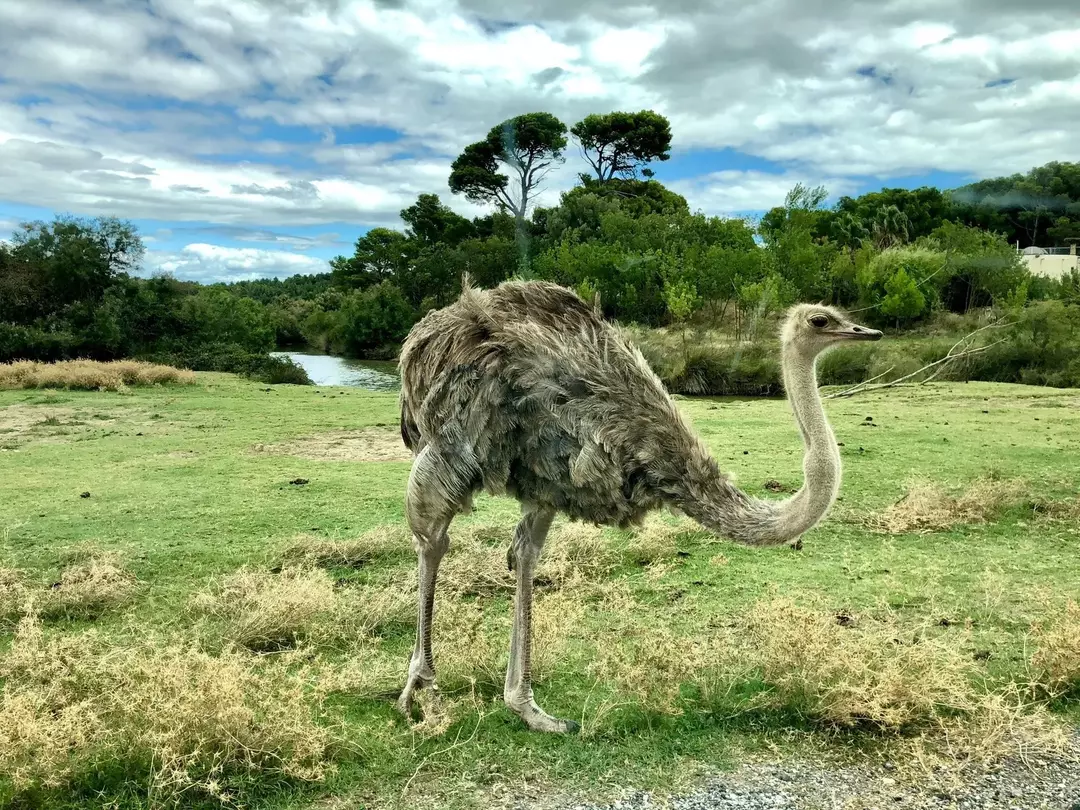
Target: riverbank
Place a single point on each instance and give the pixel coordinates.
(334, 370)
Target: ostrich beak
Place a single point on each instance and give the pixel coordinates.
(855, 332)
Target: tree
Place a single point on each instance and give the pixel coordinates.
(890, 227)
(903, 300)
(430, 222)
(920, 210)
(218, 317)
(801, 210)
(375, 317)
(1027, 207)
(73, 260)
(380, 254)
(620, 143)
(527, 146)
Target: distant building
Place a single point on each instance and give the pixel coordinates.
(1051, 262)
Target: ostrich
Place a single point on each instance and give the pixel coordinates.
(525, 390)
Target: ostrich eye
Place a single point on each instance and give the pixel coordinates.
(820, 321)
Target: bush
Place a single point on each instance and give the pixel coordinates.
(170, 717)
(234, 359)
(30, 343)
(868, 675)
(89, 375)
(1056, 661)
(748, 369)
(281, 371)
(1043, 348)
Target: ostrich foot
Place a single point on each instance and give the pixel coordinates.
(539, 720)
(433, 698)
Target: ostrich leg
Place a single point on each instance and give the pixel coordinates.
(429, 512)
(529, 537)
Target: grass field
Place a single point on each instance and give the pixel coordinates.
(208, 631)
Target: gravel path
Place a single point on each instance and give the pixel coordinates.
(1038, 784)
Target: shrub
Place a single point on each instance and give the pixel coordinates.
(172, 717)
(88, 588)
(926, 507)
(263, 611)
(268, 612)
(89, 375)
(281, 371)
(235, 359)
(1055, 663)
(873, 673)
(13, 596)
(383, 542)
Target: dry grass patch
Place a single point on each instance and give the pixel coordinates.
(383, 542)
(175, 718)
(926, 507)
(13, 596)
(367, 444)
(1055, 663)
(874, 673)
(263, 611)
(90, 375)
(575, 555)
(266, 612)
(471, 638)
(93, 584)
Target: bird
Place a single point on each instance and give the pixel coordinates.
(525, 390)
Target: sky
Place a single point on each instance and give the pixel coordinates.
(260, 138)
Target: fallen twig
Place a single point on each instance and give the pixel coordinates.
(952, 354)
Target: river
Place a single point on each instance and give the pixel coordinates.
(326, 369)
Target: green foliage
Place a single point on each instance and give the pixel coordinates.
(373, 318)
(270, 290)
(629, 259)
(903, 300)
(432, 223)
(214, 316)
(681, 299)
(526, 145)
(899, 212)
(68, 264)
(621, 143)
(1041, 207)
(983, 269)
(380, 254)
(1042, 348)
(913, 276)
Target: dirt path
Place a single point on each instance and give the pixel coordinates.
(1040, 783)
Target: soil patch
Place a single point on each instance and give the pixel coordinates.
(21, 424)
(366, 444)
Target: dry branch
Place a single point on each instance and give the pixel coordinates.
(939, 364)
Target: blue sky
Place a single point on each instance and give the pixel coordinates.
(251, 138)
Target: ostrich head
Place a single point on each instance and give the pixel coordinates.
(811, 329)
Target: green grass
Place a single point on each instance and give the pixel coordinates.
(177, 490)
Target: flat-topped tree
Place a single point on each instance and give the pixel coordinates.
(621, 143)
(527, 146)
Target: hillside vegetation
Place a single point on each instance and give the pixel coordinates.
(910, 261)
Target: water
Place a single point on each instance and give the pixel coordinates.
(326, 369)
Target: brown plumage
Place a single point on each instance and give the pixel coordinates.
(524, 390)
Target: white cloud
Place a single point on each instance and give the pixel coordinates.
(212, 263)
(734, 192)
(839, 90)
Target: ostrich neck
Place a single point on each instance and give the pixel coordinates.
(720, 506)
(821, 459)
